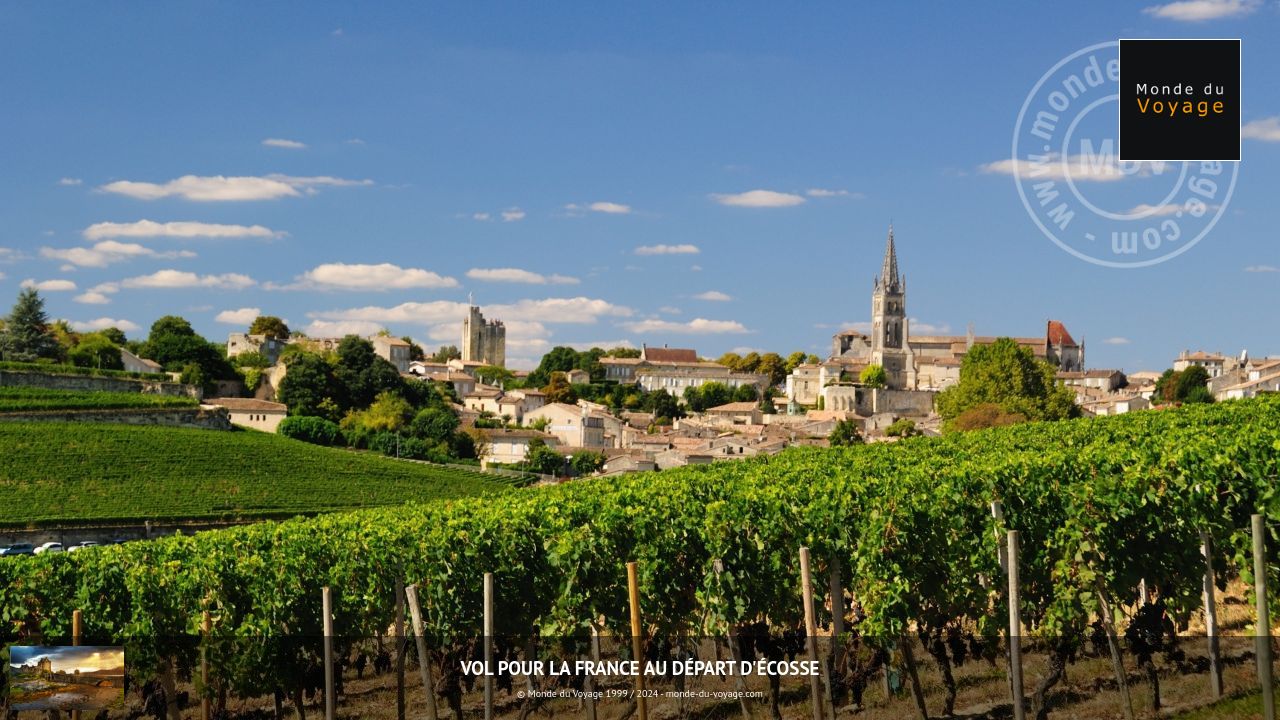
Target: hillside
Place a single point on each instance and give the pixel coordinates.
(54, 473)
(26, 399)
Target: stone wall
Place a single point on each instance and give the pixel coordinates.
(89, 383)
(204, 417)
(902, 402)
(105, 532)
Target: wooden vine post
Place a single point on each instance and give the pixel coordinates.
(330, 698)
(488, 646)
(77, 633)
(836, 595)
(206, 629)
(1263, 630)
(1113, 643)
(424, 667)
(739, 684)
(637, 638)
(811, 632)
(1015, 627)
(1211, 616)
(400, 650)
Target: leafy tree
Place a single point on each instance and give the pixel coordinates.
(115, 335)
(434, 423)
(774, 366)
(27, 335)
(1009, 376)
(1192, 385)
(845, 433)
(363, 373)
(542, 459)
(812, 360)
(65, 335)
(494, 375)
(766, 402)
(795, 360)
(193, 374)
(315, 430)
(873, 376)
(709, 395)
(745, 393)
(586, 462)
(251, 359)
(415, 350)
(902, 427)
(445, 354)
(310, 387)
(558, 390)
(664, 405)
(730, 360)
(269, 325)
(560, 359)
(95, 350)
(175, 345)
(623, 352)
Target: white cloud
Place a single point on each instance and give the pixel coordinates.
(2, 276)
(713, 296)
(610, 207)
(1162, 210)
(1116, 341)
(384, 276)
(667, 250)
(150, 228)
(70, 181)
(1267, 129)
(9, 255)
(219, 188)
(575, 310)
(915, 326)
(481, 216)
(92, 297)
(758, 199)
(354, 141)
(49, 285)
(341, 328)
(283, 143)
(1262, 269)
(243, 316)
(668, 309)
(1197, 10)
(516, 275)
(103, 323)
(825, 193)
(1080, 168)
(602, 344)
(697, 326)
(180, 279)
(107, 252)
(512, 214)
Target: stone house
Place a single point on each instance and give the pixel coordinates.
(257, 414)
(510, 447)
(393, 350)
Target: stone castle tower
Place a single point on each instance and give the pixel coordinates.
(889, 347)
(483, 340)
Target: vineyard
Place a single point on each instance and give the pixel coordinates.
(26, 399)
(66, 474)
(76, 370)
(1102, 506)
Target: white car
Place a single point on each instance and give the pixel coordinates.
(83, 545)
(53, 547)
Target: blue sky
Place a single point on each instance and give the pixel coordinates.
(583, 171)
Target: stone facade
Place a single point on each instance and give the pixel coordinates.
(483, 340)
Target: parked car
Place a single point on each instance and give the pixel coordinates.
(82, 545)
(51, 547)
(18, 549)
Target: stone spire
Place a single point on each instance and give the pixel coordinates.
(889, 279)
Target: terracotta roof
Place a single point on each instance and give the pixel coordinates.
(1058, 334)
(247, 404)
(663, 354)
(506, 433)
(734, 407)
(1201, 355)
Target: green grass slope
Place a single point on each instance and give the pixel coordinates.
(70, 473)
(26, 399)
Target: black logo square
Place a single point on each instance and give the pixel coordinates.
(1179, 100)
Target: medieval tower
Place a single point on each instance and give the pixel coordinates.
(483, 340)
(889, 348)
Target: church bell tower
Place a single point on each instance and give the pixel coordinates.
(889, 348)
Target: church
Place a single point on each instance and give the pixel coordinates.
(919, 362)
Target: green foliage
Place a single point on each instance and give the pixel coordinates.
(96, 350)
(494, 375)
(543, 460)
(745, 393)
(445, 354)
(60, 473)
(269, 325)
(664, 405)
(845, 433)
(1183, 386)
(27, 336)
(53, 369)
(310, 387)
(176, 346)
(1008, 376)
(436, 423)
(586, 462)
(251, 359)
(873, 376)
(22, 399)
(314, 430)
(558, 390)
(708, 395)
(986, 415)
(363, 374)
(902, 427)
(1099, 505)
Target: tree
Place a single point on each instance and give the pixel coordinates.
(269, 325)
(416, 353)
(774, 366)
(745, 393)
(986, 415)
(558, 390)
(445, 354)
(311, 388)
(873, 376)
(844, 434)
(493, 375)
(314, 430)
(388, 413)
(709, 395)
(586, 462)
(363, 373)
(560, 359)
(66, 336)
(543, 460)
(27, 336)
(902, 427)
(251, 359)
(115, 335)
(795, 360)
(434, 423)
(664, 405)
(766, 402)
(175, 345)
(1193, 385)
(96, 351)
(1010, 377)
